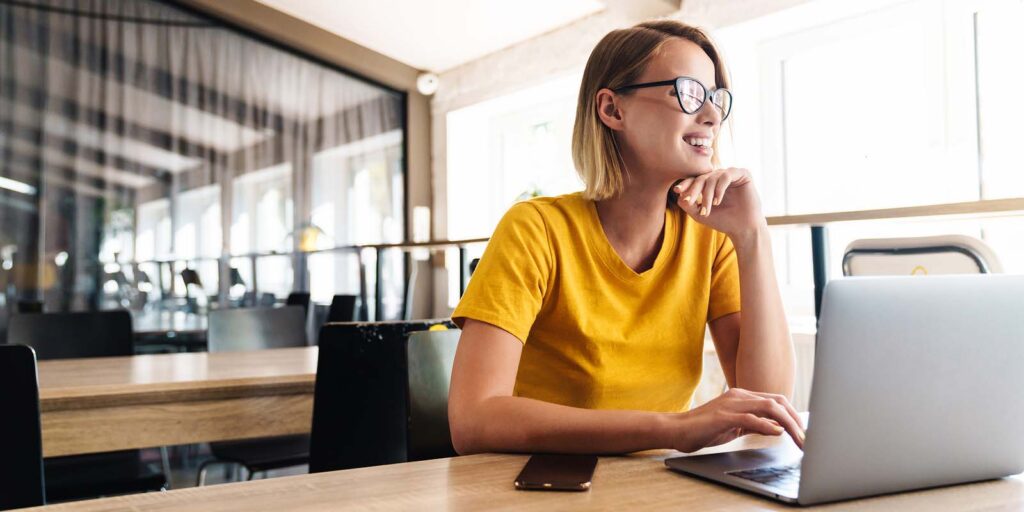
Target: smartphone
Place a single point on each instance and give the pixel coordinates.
(546, 472)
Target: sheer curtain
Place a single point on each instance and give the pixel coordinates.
(139, 139)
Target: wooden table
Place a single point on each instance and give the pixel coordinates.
(484, 482)
(116, 403)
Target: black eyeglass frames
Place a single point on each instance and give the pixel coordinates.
(691, 94)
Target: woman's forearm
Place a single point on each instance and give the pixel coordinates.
(764, 358)
(525, 425)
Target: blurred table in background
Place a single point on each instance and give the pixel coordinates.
(169, 331)
(118, 403)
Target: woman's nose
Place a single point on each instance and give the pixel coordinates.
(709, 114)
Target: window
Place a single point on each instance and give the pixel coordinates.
(503, 150)
(262, 210)
(865, 105)
(358, 198)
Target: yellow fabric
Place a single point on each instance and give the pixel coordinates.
(596, 334)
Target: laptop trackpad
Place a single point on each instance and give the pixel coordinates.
(716, 466)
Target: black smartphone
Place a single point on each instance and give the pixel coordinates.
(547, 472)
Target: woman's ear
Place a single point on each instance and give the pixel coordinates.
(608, 110)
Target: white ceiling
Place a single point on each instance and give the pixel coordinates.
(437, 35)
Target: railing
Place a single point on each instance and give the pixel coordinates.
(817, 223)
(301, 257)
(819, 233)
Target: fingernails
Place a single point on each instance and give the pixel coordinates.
(778, 430)
(687, 199)
(801, 435)
(677, 188)
(717, 202)
(704, 211)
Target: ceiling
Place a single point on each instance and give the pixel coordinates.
(437, 35)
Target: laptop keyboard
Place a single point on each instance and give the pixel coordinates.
(785, 477)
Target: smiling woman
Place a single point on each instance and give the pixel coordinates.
(583, 326)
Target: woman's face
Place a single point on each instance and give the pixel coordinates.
(655, 132)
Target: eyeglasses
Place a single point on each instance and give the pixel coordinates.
(691, 94)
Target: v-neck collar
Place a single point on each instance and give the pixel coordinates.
(611, 259)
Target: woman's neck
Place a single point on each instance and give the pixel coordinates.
(633, 222)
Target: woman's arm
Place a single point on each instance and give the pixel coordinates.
(485, 417)
(764, 358)
(754, 345)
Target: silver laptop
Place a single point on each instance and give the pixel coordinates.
(917, 384)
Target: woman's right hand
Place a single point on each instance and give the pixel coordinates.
(736, 413)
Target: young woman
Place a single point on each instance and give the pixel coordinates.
(583, 325)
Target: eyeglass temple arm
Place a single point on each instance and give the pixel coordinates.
(643, 86)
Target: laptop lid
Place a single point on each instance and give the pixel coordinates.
(916, 384)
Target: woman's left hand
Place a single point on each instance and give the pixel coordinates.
(723, 199)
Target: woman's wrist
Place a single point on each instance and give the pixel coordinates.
(667, 428)
(750, 238)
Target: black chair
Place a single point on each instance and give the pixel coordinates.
(298, 299)
(232, 330)
(76, 335)
(343, 308)
(29, 306)
(379, 395)
(21, 439)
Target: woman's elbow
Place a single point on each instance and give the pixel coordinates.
(463, 433)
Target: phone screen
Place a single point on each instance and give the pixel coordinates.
(547, 472)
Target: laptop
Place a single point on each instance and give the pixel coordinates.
(916, 384)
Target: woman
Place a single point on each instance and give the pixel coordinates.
(583, 325)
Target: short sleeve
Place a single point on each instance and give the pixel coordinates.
(508, 286)
(725, 280)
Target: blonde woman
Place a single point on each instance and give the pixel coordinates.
(583, 325)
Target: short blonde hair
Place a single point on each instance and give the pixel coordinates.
(618, 60)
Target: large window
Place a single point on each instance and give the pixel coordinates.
(855, 106)
(135, 131)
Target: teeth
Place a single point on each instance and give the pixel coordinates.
(693, 141)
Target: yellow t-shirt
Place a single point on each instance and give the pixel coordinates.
(596, 334)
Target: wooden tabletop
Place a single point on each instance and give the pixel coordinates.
(102, 404)
(484, 482)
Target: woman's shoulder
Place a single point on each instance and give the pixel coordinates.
(549, 210)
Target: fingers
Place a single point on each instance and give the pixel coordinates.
(719, 193)
(784, 402)
(754, 424)
(708, 192)
(688, 191)
(697, 195)
(771, 409)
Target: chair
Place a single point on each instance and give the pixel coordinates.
(343, 308)
(255, 329)
(29, 306)
(21, 440)
(381, 395)
(77, 335)
(298, 299)
(931, 255)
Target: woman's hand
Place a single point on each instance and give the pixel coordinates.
(724, 199)
(736, 413)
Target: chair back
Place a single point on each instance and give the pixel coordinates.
(72, 335)
(298, 299)
(21, 466)
(930, 255)
(234, 330)
(430, 356)
(361, 399)
(343, 308)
